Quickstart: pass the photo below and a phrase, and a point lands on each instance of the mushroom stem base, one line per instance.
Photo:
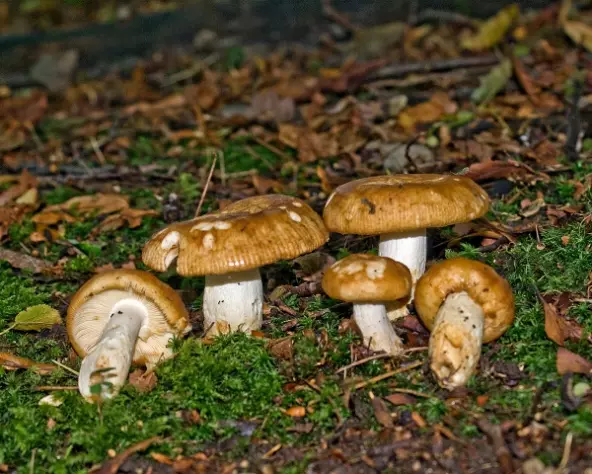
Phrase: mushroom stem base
(233, 302)
(377, 330)
(107, 364)
(410, 249)
(455, 343)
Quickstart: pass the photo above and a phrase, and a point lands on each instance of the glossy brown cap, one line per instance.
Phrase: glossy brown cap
(482, 283)
(401, 203)
(89, 310)
(361, 278)
(247, 234)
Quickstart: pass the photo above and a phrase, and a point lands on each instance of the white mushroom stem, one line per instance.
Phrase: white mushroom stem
(410, 249)
(377, 330)
(456, 339)
(233, 302)
(107, 364)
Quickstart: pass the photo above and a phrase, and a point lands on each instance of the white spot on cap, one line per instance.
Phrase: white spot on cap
(170, 240)
(222, 225)
(352, 268)
(297, 204)
(203, 226)
(375, 269)
(294, 216)
(283, 208)
(208, 241)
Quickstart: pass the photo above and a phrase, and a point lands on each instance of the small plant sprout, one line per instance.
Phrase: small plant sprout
(464, 303)
(229, 246)
(118, 318)
(369, 282)
(399, 208)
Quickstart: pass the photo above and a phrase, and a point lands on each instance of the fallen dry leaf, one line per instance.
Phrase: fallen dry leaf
(296, 412)
(143, 383)
(26, 262)
(381, 413)
(525, 80)
(426, 112)
(311, 146)
(11, 362)
(567, 361)
(100, 203)
(401, 399)
(493, 30)
(281, 348)
(557, 328)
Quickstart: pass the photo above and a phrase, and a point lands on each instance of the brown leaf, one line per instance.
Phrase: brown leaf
(25, 262)
(426, 112)
(401, 399)
(557, 328)
(282, 348)
(525, 80)
(112, 466)
(495, 170)
(28, 108)
(11, 362)
(265, 185)
(143, 383)
(381, 413)
(567, 361)
(351, 76)
(162, 458)
(545, 153)
(267, 105)
(102, 204)
(26, 182)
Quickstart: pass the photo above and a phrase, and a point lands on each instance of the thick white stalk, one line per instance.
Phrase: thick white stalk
(377, 330)
(233, 302)
(456, 339)
(410, 249)
(107, 364)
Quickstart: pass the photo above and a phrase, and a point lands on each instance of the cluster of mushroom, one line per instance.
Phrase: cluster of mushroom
(127, 316)
(464, 303)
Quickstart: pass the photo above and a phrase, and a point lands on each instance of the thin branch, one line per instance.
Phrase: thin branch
(205, 189)
(386, 375)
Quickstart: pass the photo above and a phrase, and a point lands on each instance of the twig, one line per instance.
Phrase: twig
(32, 462)
(65, 367)
(566, 452)
(386, 375)
(494, 433)
(222, 169)
(97, 150)
(440, 65)
(574, 124)
(205, 189)
(271, 148)
(416, 349)
(55, 388)
(339, 18)
(363, 361)
(411, 392)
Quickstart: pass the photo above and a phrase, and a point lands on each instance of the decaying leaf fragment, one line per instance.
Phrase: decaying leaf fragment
(493, 82)
(493, 30)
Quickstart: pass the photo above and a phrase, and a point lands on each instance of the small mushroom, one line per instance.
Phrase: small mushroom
(119, 317)
(229, 247)
(368, 282)
(400, 208)
(464, 303)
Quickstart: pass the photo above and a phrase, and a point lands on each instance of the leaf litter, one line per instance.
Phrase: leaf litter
(96, 167)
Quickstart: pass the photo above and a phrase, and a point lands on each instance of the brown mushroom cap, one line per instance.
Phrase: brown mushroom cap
(247, 234)
(482, 283)
(361, 278)
(401, 203)
(90, 307)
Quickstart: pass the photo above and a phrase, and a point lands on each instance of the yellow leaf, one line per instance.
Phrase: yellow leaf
(493, 30)
(579, 32)
(35, 318)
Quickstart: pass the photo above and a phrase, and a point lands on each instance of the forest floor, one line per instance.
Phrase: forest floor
(91, 171)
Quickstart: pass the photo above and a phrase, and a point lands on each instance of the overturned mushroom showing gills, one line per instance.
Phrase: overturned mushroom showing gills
(118, 318)
(464, 303)
(230, 246)
(400, 208)
(368, 282)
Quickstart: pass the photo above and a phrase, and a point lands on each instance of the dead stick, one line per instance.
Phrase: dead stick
(363, 361)
(54, 388)
(386, 375)
(205, 189)
(441, 65)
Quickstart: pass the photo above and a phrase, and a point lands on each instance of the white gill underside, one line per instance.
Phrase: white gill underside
(410, 249)
(233, 302)
(377, 330)
(455, 342)
(106, 365)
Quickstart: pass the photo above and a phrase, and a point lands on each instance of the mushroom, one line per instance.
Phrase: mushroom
(464, 303)
(400, 208)
(229, 247)
(119, 317)
(368, 282)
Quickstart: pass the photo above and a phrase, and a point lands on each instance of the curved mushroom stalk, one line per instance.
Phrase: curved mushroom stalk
(107, 364)
(455, 343)
(233, 302)
(410, 249)
(376, 328)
